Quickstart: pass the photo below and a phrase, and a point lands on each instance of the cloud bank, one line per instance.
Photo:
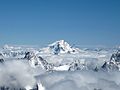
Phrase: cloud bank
(81, 80)
(15, 74)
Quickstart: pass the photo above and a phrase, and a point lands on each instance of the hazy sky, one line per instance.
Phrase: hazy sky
(39, 22)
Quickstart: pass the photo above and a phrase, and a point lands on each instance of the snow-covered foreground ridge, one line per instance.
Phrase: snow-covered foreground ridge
(59, 66)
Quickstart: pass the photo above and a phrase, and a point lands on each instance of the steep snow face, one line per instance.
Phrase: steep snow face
(60, 47)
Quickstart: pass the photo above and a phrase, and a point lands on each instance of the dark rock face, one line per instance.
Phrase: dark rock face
(96, 69)
(56, 48)
(1, 54)
(109, 66)
(115, 57)
(104, 65)
(28, 55)
(114, 62)
(1, 60)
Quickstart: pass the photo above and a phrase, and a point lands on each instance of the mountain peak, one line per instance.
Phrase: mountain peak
(61, 46)
(61, 42)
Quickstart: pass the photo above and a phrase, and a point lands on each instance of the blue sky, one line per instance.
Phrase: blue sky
(39, 22)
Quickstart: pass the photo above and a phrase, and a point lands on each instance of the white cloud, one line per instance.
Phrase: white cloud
(15, 74)
(81, 80)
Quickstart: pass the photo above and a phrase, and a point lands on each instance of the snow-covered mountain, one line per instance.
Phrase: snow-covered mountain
(56, 56)
(58, 62)
(16, 51)
(59, 47)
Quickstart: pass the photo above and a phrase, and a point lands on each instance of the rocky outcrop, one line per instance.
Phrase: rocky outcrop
(114, 63)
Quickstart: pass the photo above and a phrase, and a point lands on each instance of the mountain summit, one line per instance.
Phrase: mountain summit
(60, 46)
